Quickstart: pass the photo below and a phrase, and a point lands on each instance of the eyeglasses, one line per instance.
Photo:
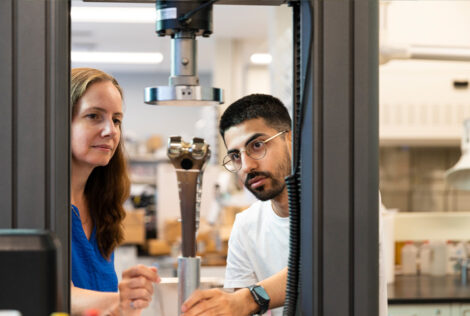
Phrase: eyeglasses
(255, 149)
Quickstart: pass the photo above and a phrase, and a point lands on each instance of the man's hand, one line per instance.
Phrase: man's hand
(218, 302)
(136, 289)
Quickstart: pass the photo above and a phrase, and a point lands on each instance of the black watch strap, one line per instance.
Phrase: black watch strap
(261, 298)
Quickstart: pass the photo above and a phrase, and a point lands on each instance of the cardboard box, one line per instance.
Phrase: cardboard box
(172, 231)
(134, 227)
(229, 213)
(214, 259)
(158, 247)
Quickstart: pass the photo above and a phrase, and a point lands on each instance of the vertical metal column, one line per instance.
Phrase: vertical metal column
(35, 119)
(366, 160)
(7, 218)
(339, 152)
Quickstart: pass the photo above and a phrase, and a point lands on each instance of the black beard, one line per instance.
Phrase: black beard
(260, 193)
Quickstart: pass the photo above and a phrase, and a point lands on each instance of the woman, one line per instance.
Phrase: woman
(99, 187)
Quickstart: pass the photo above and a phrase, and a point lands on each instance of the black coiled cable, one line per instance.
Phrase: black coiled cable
(293, 189)
(293, 181)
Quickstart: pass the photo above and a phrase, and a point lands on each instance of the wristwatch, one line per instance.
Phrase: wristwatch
(261, 298)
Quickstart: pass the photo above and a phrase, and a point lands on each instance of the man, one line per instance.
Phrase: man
(257, 133)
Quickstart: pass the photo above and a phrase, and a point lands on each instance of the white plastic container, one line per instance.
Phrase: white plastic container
(388, 244)
(438, 258)
(425, 258)
(460, 256)
(461, 250)
(409, 254)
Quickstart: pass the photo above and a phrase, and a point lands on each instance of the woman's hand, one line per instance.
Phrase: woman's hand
(136, 289)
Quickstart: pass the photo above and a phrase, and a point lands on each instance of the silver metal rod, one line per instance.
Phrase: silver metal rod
(188, 278)
(183, 59)
(183, 52)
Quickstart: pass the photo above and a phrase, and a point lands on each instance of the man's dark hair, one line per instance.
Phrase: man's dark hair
(255, 106)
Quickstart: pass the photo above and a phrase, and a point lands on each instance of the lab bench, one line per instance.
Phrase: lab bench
(428, 296)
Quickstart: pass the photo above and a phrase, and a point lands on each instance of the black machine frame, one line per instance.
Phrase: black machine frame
(336, 94)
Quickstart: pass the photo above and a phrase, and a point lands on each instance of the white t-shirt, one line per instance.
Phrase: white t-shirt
(258, 247)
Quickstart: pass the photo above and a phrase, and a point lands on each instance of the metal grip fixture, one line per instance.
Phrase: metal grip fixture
(183, 63)
(183, 21)
(189, 278)
(189, 160)
(170, 14)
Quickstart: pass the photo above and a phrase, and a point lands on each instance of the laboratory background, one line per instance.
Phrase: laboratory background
(424, 99)
(250, 51)
(424, 138)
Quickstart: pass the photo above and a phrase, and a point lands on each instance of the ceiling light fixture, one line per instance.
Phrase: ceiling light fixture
(116, 58)
(113, 15)
(261, 59)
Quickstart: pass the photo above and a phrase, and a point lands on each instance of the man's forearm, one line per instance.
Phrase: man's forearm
(275, 286)
(241, 302)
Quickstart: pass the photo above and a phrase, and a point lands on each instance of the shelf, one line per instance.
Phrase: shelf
(144, 180)
(148, 158)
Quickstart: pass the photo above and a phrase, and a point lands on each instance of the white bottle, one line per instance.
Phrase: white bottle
(461, 250)
(460, 257)
(425, 258)
(467, 246)
(438, 258)
(409, 254)
(451, 256)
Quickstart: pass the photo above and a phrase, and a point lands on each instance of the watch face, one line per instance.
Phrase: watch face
(261, 292)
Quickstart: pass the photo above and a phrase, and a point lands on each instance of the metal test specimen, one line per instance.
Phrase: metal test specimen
(189, 161)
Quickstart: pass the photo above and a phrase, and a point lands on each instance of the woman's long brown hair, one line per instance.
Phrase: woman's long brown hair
(107, 187)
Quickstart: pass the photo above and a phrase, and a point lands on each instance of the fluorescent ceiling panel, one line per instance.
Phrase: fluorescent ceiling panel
(261, 59)
(117, 57)
(113, 15)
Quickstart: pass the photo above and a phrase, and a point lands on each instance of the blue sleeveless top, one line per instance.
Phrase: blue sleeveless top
(90, 270)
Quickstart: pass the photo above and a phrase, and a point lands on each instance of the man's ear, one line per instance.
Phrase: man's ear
(289, 135)
(289, 141)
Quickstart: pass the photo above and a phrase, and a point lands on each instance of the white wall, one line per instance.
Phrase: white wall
(428, 23)
(143, 120)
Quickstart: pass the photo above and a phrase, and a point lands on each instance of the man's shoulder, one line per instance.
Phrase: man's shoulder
(253, 213)
(247, 224)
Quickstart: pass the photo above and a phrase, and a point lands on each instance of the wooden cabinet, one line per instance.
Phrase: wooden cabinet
(424, 102)
(420, 105)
